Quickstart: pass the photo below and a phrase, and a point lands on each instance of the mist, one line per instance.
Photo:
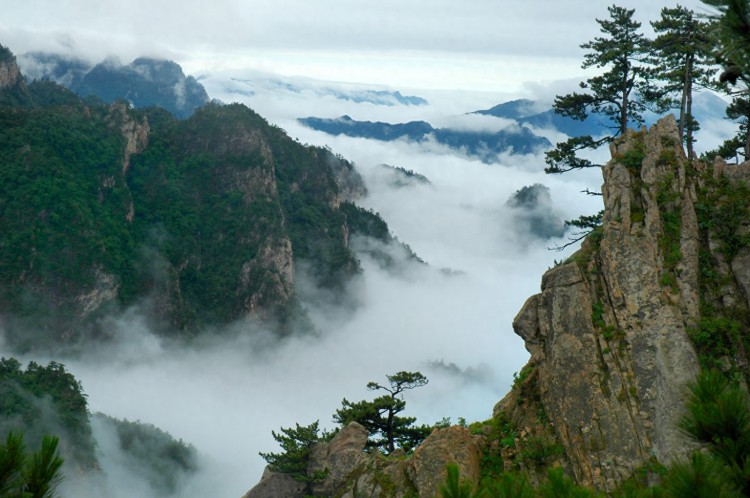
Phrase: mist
(449, 318)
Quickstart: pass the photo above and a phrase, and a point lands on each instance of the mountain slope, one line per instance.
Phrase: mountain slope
(144, 82)
(199, 222)
(484, 145)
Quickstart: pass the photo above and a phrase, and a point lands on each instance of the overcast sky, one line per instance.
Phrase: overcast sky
(475, 45)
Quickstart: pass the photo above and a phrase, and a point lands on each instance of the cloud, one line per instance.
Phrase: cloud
(452, 44)
(450, 319)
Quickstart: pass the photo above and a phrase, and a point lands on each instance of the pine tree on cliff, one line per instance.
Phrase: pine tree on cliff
(680, 58)
(381, 415)
(621, 52)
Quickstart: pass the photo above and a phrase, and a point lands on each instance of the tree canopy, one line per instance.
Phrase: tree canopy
(29, 475)
(680, 61)
(380, 416)
(621, 51)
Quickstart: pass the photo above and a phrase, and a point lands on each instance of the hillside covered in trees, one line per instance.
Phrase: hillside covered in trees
(198, 222)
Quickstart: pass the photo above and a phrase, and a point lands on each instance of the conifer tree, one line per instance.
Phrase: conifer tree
(680, 57)
(621, 52)
(296, 443)
(381, 415)
(731, 33)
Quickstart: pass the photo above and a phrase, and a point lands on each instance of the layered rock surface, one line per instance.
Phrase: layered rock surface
(609, 333)
(351, 472)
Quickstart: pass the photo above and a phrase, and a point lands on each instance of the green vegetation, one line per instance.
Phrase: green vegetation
(718, 416)
(196, 220)
(681, 57)
(388, 430)
(668, 198)
(40, 399)
(29, 475)
(154, 454)
(380, 416)
(296, 444)
(611, 94)
(721, 336)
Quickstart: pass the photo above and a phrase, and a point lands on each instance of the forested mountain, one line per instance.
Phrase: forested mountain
(483, 145)
(144, 82)
(198, 222)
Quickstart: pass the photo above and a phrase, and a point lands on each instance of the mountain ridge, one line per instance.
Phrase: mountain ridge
(483, 145)
(199, 222)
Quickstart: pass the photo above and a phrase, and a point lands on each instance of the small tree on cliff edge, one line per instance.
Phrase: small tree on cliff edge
(611, 94)
(380, 416)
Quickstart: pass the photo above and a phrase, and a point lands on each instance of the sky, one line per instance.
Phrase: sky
(454, 326)
(493, 45)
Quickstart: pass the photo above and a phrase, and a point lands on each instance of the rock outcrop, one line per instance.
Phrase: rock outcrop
(609, 335)
(10, 75)
(352, 472)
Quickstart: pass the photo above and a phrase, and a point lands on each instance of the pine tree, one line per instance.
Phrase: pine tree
(718, 415)
(680, 58)
(296, 443)
(731, 33)
(34, 475)
(622, 52)
(381, 415)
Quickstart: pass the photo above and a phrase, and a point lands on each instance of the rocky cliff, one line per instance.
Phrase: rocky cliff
(350, 472)
(622, 326)
(657, 292)
(198, 222)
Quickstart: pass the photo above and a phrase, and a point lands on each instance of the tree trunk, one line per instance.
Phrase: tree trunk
(688, 94)
(683, 104)
(389, 432)
(624, 104)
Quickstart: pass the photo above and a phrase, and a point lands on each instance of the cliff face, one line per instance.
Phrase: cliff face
(612, 335)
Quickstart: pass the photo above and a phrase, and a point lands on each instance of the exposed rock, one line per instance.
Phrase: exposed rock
(276, 485)
(426, 470)
(352, 472)
(608, 333)
(338, 459)
(10, 75)
(136, 134)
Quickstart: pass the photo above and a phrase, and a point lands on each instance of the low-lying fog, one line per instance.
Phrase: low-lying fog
(453, 326)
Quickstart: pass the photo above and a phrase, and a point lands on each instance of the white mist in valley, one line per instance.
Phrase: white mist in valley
(450, 319)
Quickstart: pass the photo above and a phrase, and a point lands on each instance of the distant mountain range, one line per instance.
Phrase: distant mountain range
(258, 82)
(483, 145)
(144, 82)
(526, 112)
(706, 106)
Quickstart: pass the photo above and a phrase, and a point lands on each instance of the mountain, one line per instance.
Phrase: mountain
(533, 214)
(144, 82)
(526, 112)
(198, 222)
(258, 82)
(707, 106)
(483, 145)
(658, 292)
